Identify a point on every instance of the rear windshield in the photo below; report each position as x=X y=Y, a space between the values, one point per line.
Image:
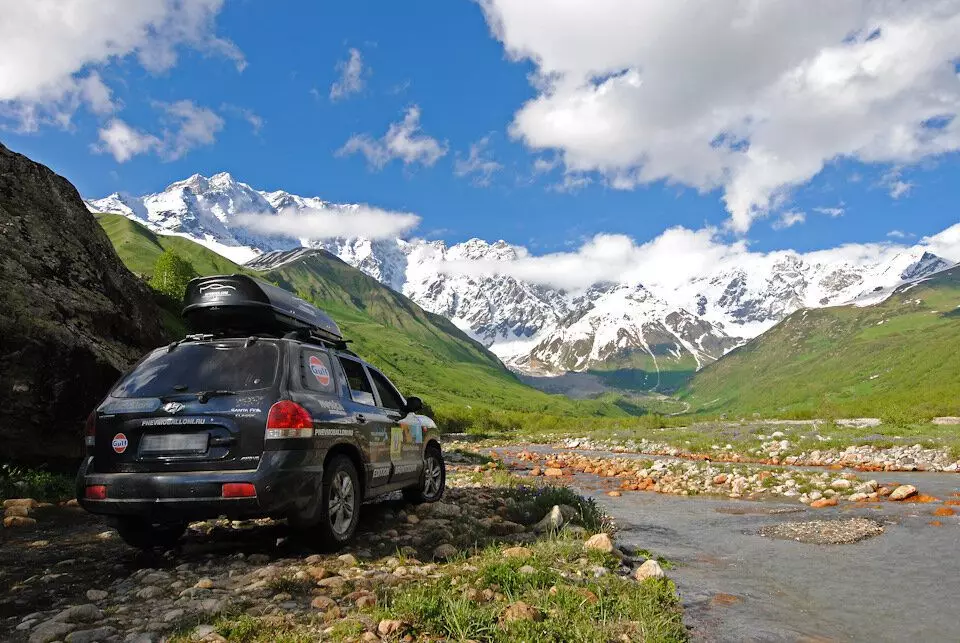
x=191 y=368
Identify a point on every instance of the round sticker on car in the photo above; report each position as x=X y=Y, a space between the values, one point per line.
x=320 y=370
x=119 y=443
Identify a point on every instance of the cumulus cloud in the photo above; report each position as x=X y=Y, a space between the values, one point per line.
x=313 y=224
x=404 y=140
x=898 y=234
x=945 y=244
x=673 y=260
x=351 y=77
x=751 y=98
x=191 y=126
x=479 y=163
x=124 y=142
x=50 y=50
x=188 y=126
x=900 y=188
x=789 y=219
x=608 y=258
x=831 y=212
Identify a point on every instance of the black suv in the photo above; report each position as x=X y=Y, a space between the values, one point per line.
x=263 y=413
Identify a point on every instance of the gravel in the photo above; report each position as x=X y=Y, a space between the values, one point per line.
x=824 y=532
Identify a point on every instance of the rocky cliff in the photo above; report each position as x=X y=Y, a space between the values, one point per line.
x=72 y=317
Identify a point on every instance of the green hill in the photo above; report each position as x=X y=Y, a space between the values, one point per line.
x=423 y=353
x=899 y=359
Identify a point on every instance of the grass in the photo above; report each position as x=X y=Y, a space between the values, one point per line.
x=898 y=360
x=41 y=485
x=572 y=605
x=425 y=354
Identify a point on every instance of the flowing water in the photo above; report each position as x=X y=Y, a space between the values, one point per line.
x=739 y=586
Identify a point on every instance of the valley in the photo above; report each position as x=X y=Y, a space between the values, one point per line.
x=651 y=331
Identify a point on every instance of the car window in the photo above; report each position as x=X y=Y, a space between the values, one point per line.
x=315 y=371
x=389 y=397
x=207 y=366
x=357 y=380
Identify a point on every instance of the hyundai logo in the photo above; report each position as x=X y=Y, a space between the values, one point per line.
x=173 y=407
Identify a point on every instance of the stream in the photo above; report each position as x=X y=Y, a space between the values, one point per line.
x=738 y=586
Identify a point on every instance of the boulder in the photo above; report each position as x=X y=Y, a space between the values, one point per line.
x=903 y=492
x=600 y=542
x=72 y=317
x=649 y=569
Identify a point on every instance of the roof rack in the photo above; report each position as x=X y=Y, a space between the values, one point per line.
x=242 y=305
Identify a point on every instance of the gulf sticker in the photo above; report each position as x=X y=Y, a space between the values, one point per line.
x=119 y=443
x=320 y=370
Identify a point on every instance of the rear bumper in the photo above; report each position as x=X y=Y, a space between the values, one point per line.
x=285 y=485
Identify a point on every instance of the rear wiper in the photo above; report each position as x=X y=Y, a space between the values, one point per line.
x=203 y=396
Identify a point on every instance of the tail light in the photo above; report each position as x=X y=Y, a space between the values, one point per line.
x=238 y=490
x=95 y=492
x=288 y=420
x=90 y=429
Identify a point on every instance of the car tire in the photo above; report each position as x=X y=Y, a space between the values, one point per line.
x=144 y=534
x=433 y=479
x=339 y=502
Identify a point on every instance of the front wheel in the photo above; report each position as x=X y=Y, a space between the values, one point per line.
x=340 y=502
x=144 y=534
x=433 y=480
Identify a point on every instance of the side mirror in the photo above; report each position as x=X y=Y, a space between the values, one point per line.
x=414 y=404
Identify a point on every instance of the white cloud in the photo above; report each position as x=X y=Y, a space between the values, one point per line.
x=945 y=244
x=831 y=212
x=403 y=140
x=898 y=234
x=125 y=142
x=50 y=50
x=610 y=258
x=351 y=77
x=900 y=188
x=192 y=126
x=673 y=261
x=189 y=126
x=363 y=220
x=479 y=163
x=751 y=98
x=572 y=182
x=789 y=219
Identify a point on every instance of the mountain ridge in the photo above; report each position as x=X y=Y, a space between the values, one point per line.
x=652 y=327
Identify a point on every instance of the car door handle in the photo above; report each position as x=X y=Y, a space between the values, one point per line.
x=361 y=418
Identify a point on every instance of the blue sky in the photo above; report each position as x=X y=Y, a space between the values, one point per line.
x=469 y=82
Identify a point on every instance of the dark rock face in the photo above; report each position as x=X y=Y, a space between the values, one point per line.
x=72 y=317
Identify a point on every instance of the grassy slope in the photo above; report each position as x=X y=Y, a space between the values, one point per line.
x=898 y=359
x=423 y=353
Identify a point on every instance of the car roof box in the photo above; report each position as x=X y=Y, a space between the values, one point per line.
x=242 y=304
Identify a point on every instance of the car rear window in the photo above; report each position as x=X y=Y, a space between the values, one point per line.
x=208 y=366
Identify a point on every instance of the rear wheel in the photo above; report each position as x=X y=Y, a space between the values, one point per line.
x=433 y=480
x=340 y=503
x=144 y=534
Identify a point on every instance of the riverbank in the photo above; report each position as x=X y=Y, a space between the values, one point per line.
x=498 y=560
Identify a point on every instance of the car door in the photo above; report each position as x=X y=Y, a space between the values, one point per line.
x=406 y=429
x=371 y=423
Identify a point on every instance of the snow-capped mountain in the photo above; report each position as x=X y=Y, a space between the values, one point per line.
x=655 y=325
